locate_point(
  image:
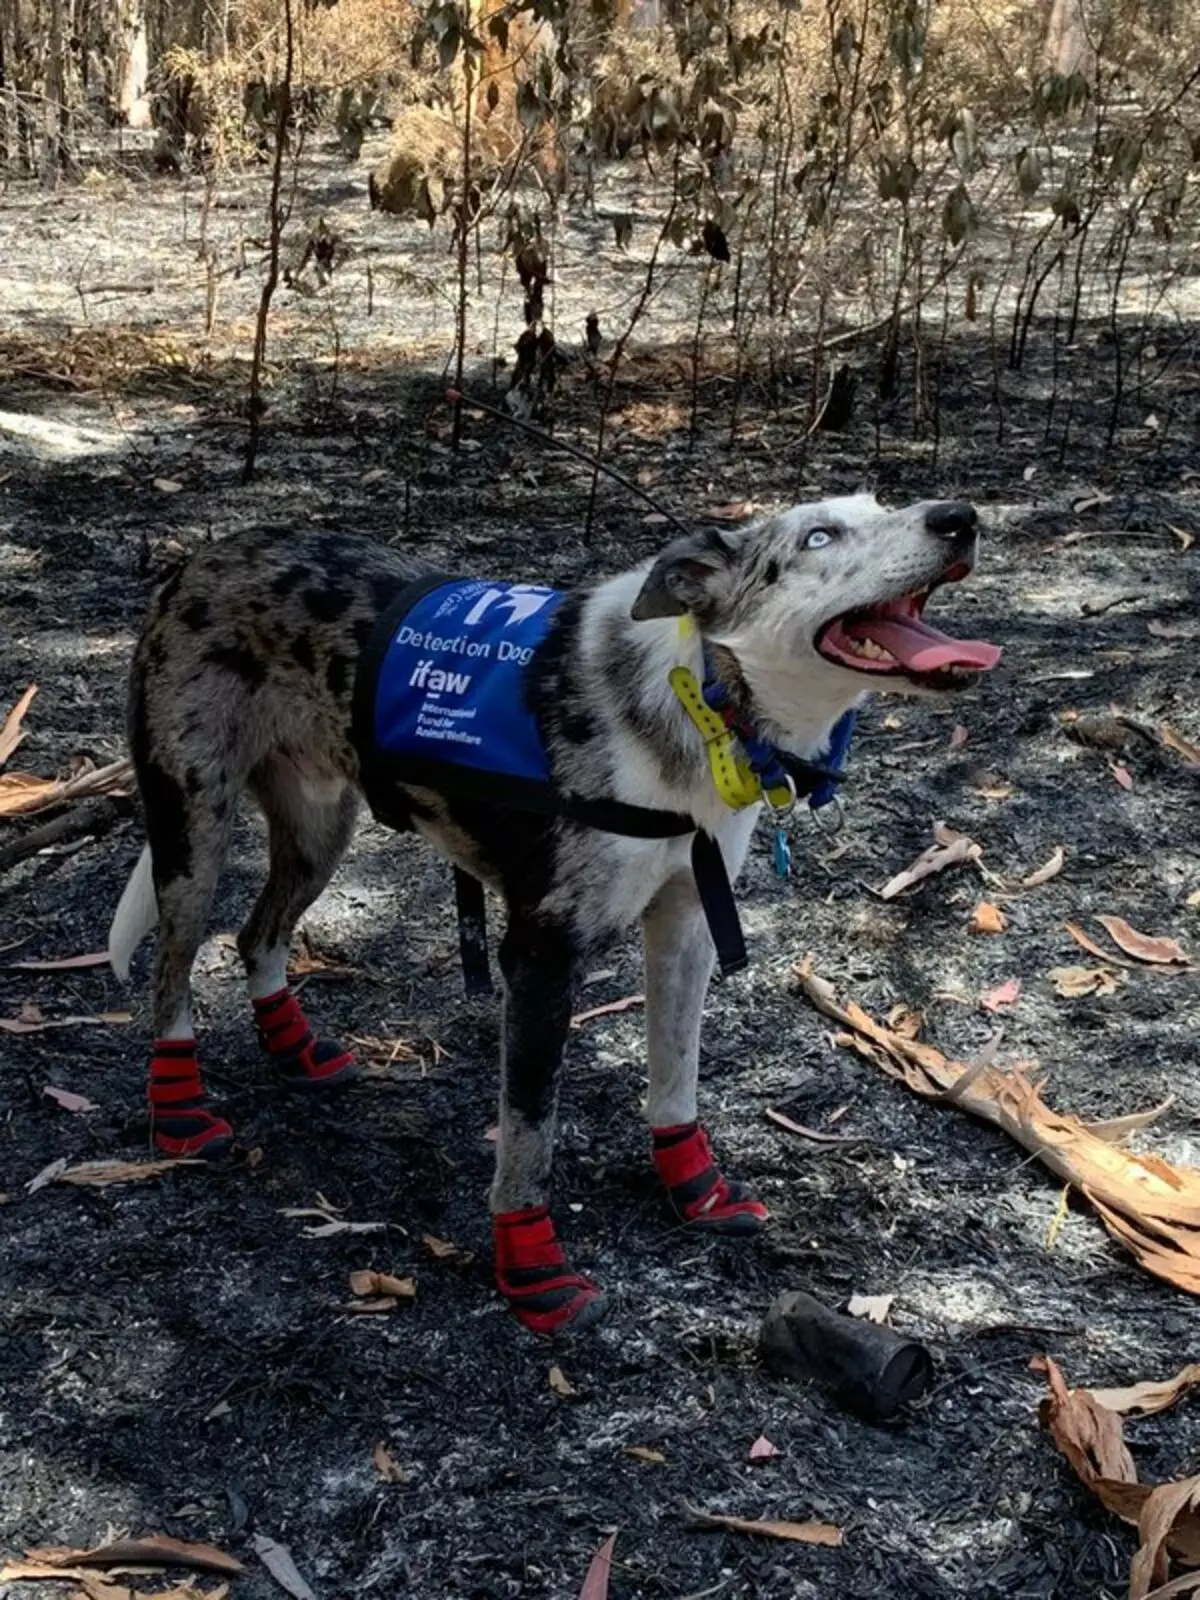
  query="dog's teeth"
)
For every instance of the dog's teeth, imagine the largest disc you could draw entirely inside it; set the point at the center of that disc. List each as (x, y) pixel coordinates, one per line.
(871, 650)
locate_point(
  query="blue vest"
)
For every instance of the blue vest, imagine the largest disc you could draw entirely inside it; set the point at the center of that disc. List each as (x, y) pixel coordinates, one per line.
(446, 699)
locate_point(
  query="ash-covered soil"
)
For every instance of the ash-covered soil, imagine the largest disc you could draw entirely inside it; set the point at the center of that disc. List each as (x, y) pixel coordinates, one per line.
(177, 1355)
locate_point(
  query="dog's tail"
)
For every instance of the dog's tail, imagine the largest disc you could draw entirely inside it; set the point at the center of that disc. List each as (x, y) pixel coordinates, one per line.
(136, 914)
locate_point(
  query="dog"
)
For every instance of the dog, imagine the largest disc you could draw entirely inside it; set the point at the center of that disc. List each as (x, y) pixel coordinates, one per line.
(244, 679)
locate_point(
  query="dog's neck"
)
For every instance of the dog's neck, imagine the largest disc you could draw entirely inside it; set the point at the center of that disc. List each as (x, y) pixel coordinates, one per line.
(667, 763)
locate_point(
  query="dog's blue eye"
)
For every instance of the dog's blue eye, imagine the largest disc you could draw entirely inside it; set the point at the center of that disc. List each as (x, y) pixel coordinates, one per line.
(817, 538)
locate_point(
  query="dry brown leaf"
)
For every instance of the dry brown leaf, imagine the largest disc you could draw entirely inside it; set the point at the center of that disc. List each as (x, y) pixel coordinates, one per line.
(1174, 740)
(155, 1550)
(32, 1021)
(987, 918)
(950, 850)
(68, 1100)
(995, 791)
(383, 1285)
(782, 1120)
(11, 734)
(1072, 982)
(445, 1250)
(1123, 776)
(1144, 1399)
(1148, 1205)
(1142, 946)
(874, 1307)
(561, 1384)
(98, 958)
(625, 1004)
(1171, 1513)
(277, 1559)
(959, 736)
(386, 1465)
(762, 1449)
(98, 1174)
(1044, 873)
(21, 794)
(1004, 994)
(1185, 536)
(642, 1452)
(1086, 942)
(595, 1584)
(186, 1591)
(738, 511)
(799, 1532)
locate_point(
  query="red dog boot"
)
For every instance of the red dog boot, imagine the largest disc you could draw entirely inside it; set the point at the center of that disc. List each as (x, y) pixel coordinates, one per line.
(699, 1192)
(533, 1276)
(302, 1061)
(180, 1122)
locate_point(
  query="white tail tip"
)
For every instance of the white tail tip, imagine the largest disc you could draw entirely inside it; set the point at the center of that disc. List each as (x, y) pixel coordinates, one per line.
(136, 914)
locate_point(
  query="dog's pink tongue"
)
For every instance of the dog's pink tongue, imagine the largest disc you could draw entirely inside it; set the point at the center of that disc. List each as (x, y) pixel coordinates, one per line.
(921, 648)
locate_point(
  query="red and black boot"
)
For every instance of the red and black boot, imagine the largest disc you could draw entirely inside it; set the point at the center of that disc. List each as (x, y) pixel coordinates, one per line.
(301, 1060)
(533, 1275)
(180, 1122)
(700, 1193)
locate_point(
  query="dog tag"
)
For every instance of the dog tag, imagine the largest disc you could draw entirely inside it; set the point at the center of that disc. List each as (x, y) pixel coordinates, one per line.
(781, 853)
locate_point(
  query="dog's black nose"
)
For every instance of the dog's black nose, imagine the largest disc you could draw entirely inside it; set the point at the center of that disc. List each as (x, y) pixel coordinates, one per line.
(955, 520)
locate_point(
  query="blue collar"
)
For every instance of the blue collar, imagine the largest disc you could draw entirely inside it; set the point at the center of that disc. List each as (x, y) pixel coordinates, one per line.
(774, 767)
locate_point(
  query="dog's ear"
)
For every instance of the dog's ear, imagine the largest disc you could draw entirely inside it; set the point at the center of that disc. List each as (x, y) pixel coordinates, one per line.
(686, 577)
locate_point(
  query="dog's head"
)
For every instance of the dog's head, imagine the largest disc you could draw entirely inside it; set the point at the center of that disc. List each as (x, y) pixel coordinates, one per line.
(828, 598)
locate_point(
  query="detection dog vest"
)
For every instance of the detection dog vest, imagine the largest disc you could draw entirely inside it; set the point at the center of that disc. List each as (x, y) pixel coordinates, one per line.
(441, 702)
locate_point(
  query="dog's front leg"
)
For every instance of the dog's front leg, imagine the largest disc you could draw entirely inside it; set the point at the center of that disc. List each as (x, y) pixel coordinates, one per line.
(679, 959)
(538, 963)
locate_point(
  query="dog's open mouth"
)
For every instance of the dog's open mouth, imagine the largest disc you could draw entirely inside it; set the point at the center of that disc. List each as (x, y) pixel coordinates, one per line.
(893, 639)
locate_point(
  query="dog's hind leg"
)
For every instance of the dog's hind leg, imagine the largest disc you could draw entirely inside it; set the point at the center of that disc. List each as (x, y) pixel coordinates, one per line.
(532, 1273)
(310, 821)
(188, 824)
(679, 959)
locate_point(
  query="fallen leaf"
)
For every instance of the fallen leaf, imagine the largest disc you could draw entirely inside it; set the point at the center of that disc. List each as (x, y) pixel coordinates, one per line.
(1185, 536)
(98, 1174)
(799, 1532)
(987, 918)
(641, 1452)
(874, 1307)
(1193, 900)
(1174, 740)
(994, 791)
(1086, 942)
(46, 1175)
(386, 1465)
(951, 850)
(762, 1449)
(1142, 946)
(626, 1004)
(1044, 873)
(959, 736)
(36, 1023)
(370, 1308)
(1090, 1436)
(1144, 1399)
(277, 1559)
(11, 734)
(737, 511)
(21, 794)
(67, 1100)
(155, 1550)
(561, 1384)
(167, 485)
(1170, 1515)
(595, 1584)
(782, 1120)
(98, 958)
(383, 1284)
(1089, 502)
(1149, 1205)
(1072, 982)
(444, 1250)
(1123, 775)
(1005, 994)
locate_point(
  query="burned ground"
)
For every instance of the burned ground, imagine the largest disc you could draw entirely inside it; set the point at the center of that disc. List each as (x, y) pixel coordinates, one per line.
(177, 1354)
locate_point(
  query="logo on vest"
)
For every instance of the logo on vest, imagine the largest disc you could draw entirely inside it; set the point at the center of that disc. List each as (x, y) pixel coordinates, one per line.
(521, 600)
